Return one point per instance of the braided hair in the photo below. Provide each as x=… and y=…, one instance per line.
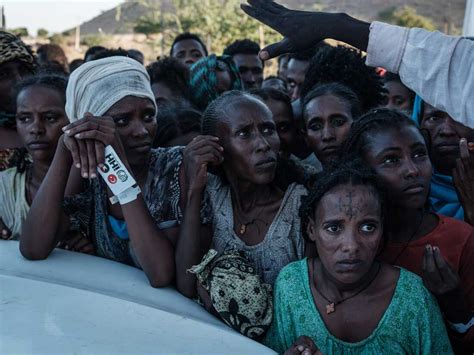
x=377, y=120
x=344, y=173
x=346, y=66
x=334, y=89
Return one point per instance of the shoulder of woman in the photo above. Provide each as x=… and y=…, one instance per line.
x=291, y=273
x=411, y=289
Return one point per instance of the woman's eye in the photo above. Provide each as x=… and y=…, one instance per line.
x=51, y=118
x=121, y=121
x=283, y=128
x=149, y=118
x=333, y=228
x=399, y=102
x=315, y=126
x=243, y=134
x=367, y=228
x=268, y=131
x=391, y=160
x=23, y=118
x=339, y=122
x=291, y=84
x=433, y=118
x=420, y=154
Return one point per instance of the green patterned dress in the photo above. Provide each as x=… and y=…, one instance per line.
x=412, y=323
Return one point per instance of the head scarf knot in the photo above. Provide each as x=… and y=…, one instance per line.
x=13, y=48
x=97, y=85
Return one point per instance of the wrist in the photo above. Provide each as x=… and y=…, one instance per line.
x=352, y=31
x=194, y=195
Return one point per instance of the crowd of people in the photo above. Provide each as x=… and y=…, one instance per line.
x=326, y=209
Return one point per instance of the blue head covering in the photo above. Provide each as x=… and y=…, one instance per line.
x=443, y=197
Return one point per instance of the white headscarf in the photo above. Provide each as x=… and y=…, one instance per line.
x=97, y=85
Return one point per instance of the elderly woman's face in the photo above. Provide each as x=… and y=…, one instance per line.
x=347, y=230
x=10, y=74
x=135, y=118
x=250, y=141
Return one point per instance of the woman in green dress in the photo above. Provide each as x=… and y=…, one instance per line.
x=345, y=301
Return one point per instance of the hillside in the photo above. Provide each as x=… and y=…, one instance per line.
x=444, y=13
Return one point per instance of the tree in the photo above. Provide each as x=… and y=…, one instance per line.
x=407, y=16
x=20, y=31
x=217, y=21
x=43, y=33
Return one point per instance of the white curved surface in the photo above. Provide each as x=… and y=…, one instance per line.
x=75, y=303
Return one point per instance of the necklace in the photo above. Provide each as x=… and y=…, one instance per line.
x=331, y=306
x=408, y=242
x=244, y=225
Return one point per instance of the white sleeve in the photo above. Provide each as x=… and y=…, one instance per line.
x=439, y=68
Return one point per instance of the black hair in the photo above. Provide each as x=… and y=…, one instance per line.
x=377, y=120
x=172, y=73
x=243, y=46
x=51, y=54
x=273, y=94
x=107, y=53
x=346, y=66
x=20, y=159
x=174, y=122
x=338, y=90
x=217, y=109
x=93, y=51
x=187, y=35
x=76, y=63
x=277, y=78
x=307, y=54
x=53, y=81
x=136, y=54
x=344, y=173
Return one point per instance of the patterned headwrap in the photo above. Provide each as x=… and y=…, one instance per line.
x=237, y=293
x=13, y=48
x=204, y=79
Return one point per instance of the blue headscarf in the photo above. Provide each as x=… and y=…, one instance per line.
x=443, y=197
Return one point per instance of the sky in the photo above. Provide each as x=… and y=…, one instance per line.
x=55, y=16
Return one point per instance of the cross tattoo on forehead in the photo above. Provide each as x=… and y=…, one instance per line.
x=346, y=205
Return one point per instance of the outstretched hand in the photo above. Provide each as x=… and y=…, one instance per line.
x=303, y=29
x=438, y=276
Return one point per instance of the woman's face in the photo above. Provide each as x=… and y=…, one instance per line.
x=135, y=119
x=224, y=80
x=327, y=121
x=400, y=159
x=285, y=124
x=398, y=97
x=445, y=134
x=250, y=141
x=40, y=118
x=347, y=229
x=10, y=74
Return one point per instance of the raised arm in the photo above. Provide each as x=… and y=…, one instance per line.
x=437, y=67
x=194, y=240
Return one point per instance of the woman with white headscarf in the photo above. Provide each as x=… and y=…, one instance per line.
x=110, y=102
